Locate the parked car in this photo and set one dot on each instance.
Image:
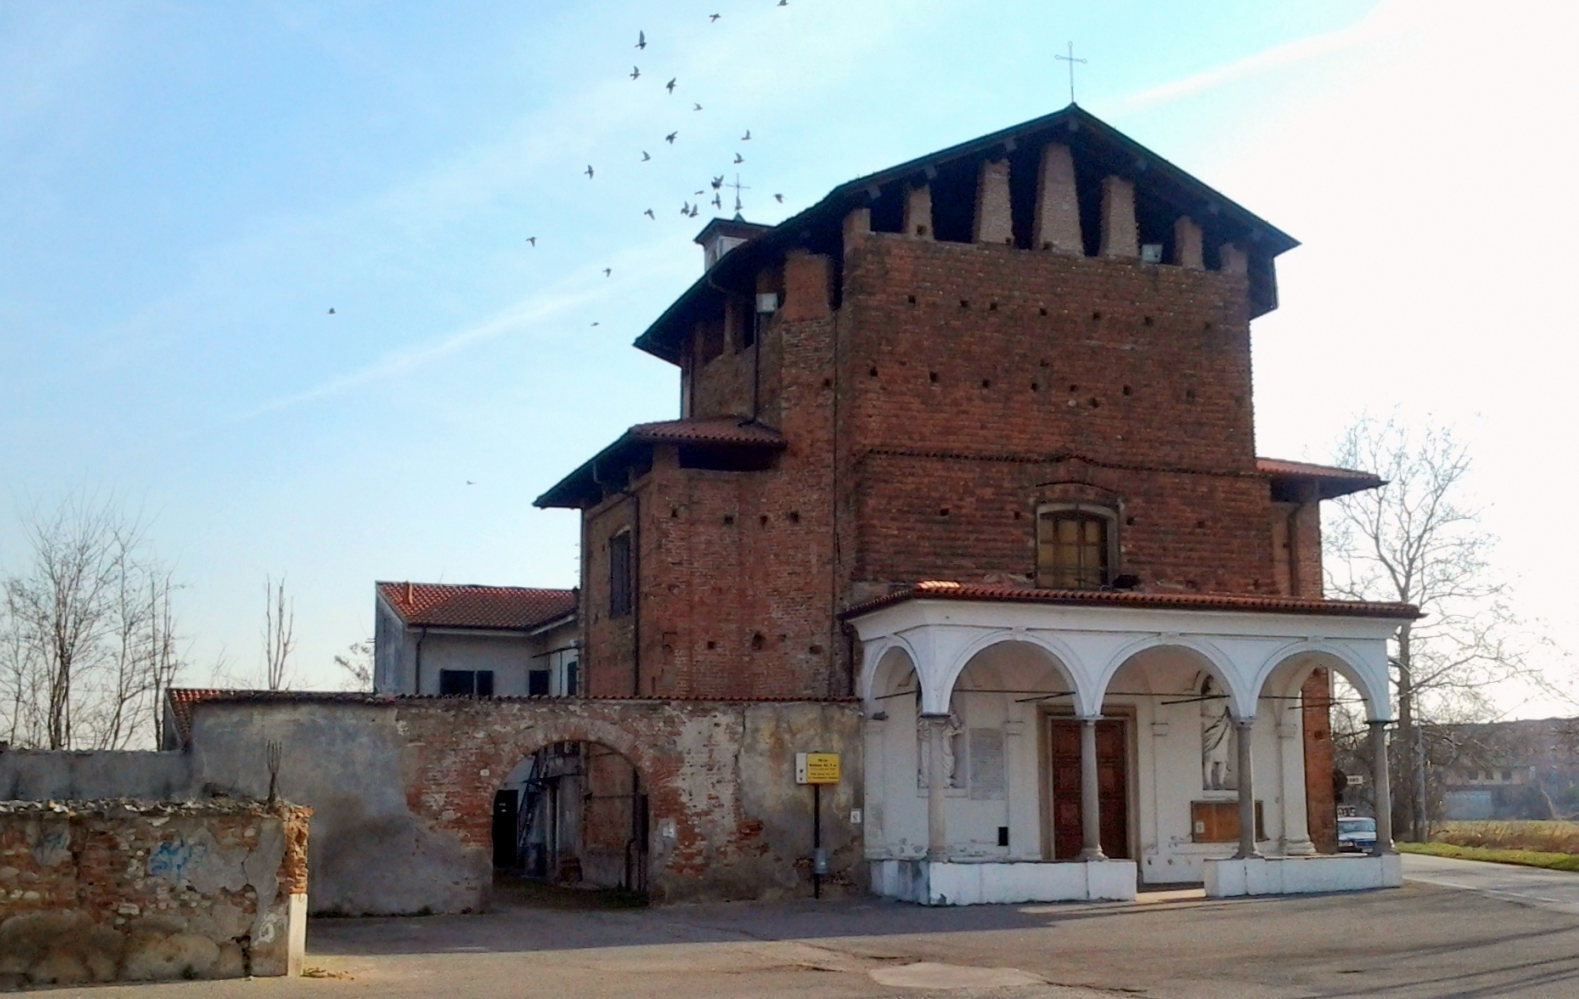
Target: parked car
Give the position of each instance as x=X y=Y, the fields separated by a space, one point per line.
x=1356 y=834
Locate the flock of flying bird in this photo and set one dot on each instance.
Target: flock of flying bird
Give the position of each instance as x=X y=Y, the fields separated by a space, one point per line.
x=687 y=208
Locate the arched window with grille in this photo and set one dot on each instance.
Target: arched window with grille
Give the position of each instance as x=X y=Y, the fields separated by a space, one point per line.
x=1075 y=547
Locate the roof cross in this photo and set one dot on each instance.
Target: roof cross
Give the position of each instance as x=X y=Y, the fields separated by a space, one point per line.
x=1071 y=60
x=738 y=187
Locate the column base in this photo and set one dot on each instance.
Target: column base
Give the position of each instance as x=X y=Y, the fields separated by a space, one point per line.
x=1004 y=882
x=1300 y=875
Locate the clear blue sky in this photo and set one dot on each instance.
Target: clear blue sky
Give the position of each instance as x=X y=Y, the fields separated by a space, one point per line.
x=187 y=189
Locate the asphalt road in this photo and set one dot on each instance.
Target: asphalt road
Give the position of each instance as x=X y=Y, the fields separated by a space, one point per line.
x=1557 y=891
x=1423 y=941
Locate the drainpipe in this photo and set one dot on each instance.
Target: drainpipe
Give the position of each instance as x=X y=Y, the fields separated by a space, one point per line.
x=418 y=684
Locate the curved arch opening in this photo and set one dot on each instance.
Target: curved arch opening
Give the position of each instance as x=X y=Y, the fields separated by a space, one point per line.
x=573 y=814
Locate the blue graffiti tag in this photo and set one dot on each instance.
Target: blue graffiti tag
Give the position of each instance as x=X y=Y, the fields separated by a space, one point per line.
x=170 y=858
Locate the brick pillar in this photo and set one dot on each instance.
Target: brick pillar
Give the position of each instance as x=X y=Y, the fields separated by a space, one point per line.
x=1120 y=234
x=994 y=220
x=918 y=212
x=806 y=287
x=1234 y=260
x=1321 y=805
x=857 y=225
x=1187 y=244
x=1057 y=225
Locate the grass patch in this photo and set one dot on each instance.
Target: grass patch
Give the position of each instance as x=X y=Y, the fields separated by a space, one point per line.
x=1542 y=837
x=1495 y=855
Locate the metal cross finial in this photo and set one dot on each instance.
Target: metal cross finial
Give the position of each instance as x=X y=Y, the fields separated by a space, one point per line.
x=1071 y=60
x=738 y=187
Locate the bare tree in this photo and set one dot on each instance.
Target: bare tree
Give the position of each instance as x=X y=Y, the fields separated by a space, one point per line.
x=279 y=640
x=1418 y=540
x=357 y=663
x=87 y=638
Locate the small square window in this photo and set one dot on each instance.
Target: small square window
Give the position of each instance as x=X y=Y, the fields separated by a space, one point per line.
x=1074 y=548
x=537 y=683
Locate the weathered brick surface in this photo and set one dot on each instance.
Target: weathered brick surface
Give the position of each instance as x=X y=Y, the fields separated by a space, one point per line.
x=99 y=891
x=726 y=817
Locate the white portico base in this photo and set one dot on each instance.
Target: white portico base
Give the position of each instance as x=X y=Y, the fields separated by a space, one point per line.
x=1301 y=875
x=941 y=883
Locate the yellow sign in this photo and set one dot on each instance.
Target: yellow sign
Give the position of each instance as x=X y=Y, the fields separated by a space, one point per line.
x=816 y=768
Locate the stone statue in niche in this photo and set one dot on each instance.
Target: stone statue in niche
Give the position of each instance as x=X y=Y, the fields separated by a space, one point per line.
x=951 y=736
x=1219 y=752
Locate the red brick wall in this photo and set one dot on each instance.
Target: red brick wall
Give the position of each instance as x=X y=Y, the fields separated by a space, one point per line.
x=968 y=369
x=956 y=388
x=1321 y=812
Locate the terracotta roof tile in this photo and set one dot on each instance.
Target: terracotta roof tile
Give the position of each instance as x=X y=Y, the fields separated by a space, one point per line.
x=716 y=430
x=945 y=590
x=504 y=608
x=1333 y=481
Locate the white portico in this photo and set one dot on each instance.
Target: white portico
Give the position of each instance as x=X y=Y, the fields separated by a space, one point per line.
x=1089 y=741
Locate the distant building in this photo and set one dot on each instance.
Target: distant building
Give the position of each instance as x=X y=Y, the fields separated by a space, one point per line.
x=467 y=640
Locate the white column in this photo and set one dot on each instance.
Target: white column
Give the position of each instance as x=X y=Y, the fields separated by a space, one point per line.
x=937 y=786
x=1382 y=785
x=1291 y=761
x=1022 y=799
x=1090 y=793
x=1246 y=728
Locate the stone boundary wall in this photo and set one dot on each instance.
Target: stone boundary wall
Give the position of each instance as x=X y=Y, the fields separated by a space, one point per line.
x=402 y=789
x=123 y=890
x=93 y=775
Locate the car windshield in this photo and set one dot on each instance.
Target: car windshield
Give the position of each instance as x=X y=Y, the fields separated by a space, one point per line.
x=1357 y=825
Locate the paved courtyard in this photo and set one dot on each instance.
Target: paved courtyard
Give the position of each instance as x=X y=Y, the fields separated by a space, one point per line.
x=1497 y=932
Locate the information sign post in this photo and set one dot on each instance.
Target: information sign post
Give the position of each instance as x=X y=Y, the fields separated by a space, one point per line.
x=817 y=769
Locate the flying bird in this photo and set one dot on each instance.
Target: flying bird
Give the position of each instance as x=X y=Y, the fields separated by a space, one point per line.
x=718 y=201
x=607 y=271
x=779 y=198
x=783 y=3
x=331 y=312
x=649 y=214
x=695 y=106
x=670 y=137
x=700 y=193
x=670 y=85
x=469 y=482
x=588 y=171
x=594 y=324
x=644 y=156
x=635 y=72
x=532 y=240
x=685 y=208
x=747 y=136
x=718 y=182
x=694 y=210
x=739 y=158
x=714 y=17
x=641 y=38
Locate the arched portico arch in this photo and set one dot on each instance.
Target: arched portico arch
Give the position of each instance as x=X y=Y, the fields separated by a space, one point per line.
x=883 y=667
x=1286 y=670
x=1049 y=652
x=1200 y=653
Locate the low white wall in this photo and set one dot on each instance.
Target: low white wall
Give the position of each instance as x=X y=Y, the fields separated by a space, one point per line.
x=927 y=883
x=1301 y=875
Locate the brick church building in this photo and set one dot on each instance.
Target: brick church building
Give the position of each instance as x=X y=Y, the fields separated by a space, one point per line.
x=971 y=440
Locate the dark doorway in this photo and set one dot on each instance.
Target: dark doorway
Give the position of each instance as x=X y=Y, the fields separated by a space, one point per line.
x=1063 y=742
x=506 y=807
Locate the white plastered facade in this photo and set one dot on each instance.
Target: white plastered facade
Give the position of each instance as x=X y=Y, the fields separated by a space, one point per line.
x=1000 y=672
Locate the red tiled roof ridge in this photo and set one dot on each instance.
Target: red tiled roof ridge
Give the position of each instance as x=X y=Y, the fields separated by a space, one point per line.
x=942 y=589
x=1288 y=466
x=477 y=605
